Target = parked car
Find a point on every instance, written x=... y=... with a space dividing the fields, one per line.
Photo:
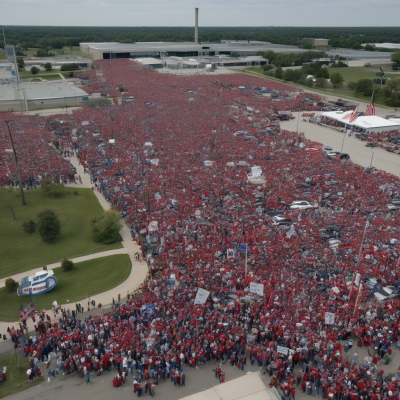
x=301 y=205
x=386 y=293
x=326 y=149
x=333 y=154
x=280 y=220
x=344 y=156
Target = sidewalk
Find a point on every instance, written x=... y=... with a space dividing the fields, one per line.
x=136 y=277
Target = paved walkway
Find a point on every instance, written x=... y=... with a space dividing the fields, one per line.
x=139 y=268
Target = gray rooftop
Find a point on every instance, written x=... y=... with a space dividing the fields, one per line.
x=41 y=90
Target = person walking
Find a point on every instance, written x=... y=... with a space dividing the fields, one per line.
x=87 y=375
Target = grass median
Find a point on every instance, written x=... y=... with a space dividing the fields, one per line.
x=86 y=279
x=20 y=252
x=16 y=380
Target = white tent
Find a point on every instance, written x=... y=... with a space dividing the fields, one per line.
x=248 y=387
x=369 y=123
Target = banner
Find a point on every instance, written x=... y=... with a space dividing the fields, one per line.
x=282 y=350
x=201 y=296
x=329 y=318
x=257 y=288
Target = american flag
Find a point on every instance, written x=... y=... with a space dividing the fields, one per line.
x=371 y=107
x=25 y=313
x=351 y=115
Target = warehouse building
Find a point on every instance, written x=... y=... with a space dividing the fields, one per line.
x=106 y=51
x=28 y=96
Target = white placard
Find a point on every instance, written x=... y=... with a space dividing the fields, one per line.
x=257 y=288
x=282 y=350
x=357 y=280
x=230 y=254
x=329 y=318
x=201 y=296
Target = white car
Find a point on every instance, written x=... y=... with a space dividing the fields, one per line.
x=279 y=220
x=326 y=149
x=301 y=205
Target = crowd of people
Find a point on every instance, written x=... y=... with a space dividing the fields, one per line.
x=176 y=164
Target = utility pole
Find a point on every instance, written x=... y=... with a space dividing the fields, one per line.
x=16 y=164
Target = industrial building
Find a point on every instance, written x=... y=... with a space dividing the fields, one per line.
x=84 y=63
x=320 y=42
x=27 y=96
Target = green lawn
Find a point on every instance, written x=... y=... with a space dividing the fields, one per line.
x=17 y=380
x=2 y=55
x=87 y=279
x=65 y=52
x=20 y=252
x=41 y=74
x=353 y=74
x=343 y=91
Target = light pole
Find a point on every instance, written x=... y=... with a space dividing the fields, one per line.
x=16 y=164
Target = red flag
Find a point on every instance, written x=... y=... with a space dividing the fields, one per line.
x=351 y=115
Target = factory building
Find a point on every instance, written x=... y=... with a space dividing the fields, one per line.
x=28 y=96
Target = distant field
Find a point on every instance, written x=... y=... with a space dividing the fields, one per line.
x=66 y=52
x=353 y=74
x=339 y=92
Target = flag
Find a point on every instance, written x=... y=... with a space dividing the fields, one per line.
x=351 y=115
x=26 y=312
x=381 y=71
x=371 y=107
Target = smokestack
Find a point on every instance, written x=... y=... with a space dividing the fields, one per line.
x=196 y=28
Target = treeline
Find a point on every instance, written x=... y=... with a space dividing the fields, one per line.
x=29 y=36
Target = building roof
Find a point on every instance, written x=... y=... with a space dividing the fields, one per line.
x=248 y=387
x=40 y=91
x=365 y=122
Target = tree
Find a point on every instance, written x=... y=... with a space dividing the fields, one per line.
x=29 y=226
x=11 y=285
x=48 y=66
x=35 y=70
x=336 y=79
x=351 y=85
x=41 y=53
x=322 y=73
x=43 y=43
x=321 y=82
x=20 y=62
x=106 y=226
x=69 y=67
x=393 y=85
x=278 y=72
x=50 y=186
x=364 y=86
x=270 y=56
x=234 y=54
x=395 y=57
x=306 y=43
x=49 y=225
x=369 y=47
x=66 y=265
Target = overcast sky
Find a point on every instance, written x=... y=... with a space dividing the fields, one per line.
x=212 y=13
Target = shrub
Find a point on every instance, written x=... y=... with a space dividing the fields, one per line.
x=109 y=241
x=29 y=226
x=44 y=267
x=321 y=82
x=106 y=226
x=34 y=70
x=322 y=73
x=69 y=67
x=49 y=225
x=351 y=85
x=75 y=193
x=52 y=187
x=267 y=67
x=278 y=72
x=11 y=285
x=364 y=86
x=66 y=265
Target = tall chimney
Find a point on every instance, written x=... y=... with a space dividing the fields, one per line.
x=196 y=29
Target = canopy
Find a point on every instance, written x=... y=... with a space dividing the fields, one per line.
x=370 y=123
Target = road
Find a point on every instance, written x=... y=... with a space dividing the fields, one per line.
x=359 y=154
